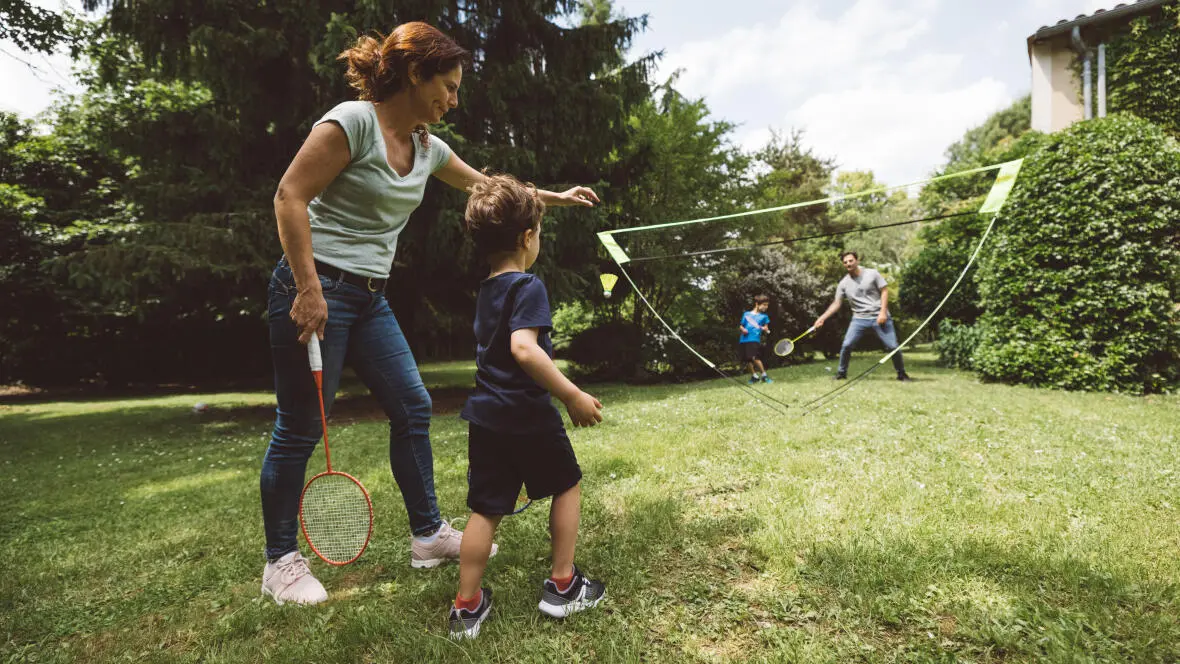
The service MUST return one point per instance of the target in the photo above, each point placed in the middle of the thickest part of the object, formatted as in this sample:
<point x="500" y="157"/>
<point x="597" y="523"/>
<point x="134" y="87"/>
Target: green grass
<point x="943" y="520"/>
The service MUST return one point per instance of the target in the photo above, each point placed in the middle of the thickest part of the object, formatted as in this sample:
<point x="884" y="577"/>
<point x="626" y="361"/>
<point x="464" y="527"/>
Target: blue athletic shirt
<point x="505" y="398"/>
<point x="753" y="323"/>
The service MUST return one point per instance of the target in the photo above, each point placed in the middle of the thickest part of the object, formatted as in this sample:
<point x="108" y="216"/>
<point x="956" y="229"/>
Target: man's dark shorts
<point x="500" y="463"/>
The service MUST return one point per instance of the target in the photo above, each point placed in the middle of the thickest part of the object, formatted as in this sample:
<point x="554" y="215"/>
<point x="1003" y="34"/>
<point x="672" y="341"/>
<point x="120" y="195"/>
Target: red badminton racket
<point x="334" y="510"/>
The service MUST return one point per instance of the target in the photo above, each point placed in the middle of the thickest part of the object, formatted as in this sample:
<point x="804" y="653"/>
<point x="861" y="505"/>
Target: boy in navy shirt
<point x="516" y="436"/>
<point x="754" y="323"/>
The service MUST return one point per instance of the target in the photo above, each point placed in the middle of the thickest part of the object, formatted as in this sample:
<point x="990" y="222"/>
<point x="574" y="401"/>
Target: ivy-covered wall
<point x="1143" y="69"/>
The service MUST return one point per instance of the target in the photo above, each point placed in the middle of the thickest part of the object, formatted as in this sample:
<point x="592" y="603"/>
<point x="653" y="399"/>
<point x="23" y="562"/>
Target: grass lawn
<point x="937" y="521"/>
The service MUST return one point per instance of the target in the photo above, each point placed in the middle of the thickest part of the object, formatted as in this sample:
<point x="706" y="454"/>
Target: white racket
<point x="785" y="347"/>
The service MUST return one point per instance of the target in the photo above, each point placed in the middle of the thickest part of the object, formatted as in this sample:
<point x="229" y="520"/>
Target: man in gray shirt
<point x="868" y="293"/>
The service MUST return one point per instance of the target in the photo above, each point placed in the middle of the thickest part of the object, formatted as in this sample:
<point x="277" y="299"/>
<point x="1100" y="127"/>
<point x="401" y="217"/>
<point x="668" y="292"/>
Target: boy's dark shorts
<point x="751" y="350"/>
<point x="500" y="463"/>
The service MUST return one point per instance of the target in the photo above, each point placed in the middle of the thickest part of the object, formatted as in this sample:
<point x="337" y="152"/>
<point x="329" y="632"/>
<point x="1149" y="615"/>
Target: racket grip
<point x="314" y="357"/>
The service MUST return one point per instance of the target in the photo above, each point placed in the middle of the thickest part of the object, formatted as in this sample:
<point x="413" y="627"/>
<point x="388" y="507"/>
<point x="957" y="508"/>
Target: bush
<point x="957" y="343"/>
<point x="1079" y="286"/>
<point x="610" y="351"/>
<point x="797" y="298"/>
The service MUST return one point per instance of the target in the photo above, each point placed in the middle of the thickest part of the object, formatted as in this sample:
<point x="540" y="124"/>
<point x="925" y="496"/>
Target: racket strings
<point x="337" y="517"/>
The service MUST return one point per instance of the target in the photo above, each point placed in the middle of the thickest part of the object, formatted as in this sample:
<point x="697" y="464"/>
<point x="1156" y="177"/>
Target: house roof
<point x="1121" y="13"/>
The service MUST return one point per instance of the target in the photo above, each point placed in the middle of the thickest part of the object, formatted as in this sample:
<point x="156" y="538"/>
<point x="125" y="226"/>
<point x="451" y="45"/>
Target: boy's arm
<point x="584" y="409"/>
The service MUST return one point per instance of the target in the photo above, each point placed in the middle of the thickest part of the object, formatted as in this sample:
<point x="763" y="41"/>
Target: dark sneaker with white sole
<point x="465" y="624"/>
<point x="582" y="594"/>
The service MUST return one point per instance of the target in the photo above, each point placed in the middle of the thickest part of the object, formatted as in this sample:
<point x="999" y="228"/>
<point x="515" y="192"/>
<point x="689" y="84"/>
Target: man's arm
<point x="884" y="315"/>
<point x="831" y="311"/>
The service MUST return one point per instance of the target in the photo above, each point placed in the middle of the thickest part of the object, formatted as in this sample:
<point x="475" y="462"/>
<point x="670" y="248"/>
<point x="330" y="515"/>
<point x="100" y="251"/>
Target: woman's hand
<point x="309" y="312"/>
<point x="583" y="196"/>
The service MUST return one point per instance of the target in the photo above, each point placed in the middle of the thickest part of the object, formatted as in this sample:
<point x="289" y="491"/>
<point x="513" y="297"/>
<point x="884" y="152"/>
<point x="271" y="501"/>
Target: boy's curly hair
<point x="499" y="209"/>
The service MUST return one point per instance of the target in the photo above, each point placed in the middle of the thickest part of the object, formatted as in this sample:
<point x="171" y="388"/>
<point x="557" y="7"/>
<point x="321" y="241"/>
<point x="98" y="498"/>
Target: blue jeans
<point x="857" y="329"/>
<point x="362" y="331"/>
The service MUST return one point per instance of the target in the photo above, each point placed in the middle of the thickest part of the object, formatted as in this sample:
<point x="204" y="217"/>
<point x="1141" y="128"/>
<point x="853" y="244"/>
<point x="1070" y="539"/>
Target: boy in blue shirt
<point x="516" y="436"/>
<point x="754" y="323"/>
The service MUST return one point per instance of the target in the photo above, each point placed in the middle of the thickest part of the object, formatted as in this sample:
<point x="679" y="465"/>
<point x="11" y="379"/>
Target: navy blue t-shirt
<point x="506" y="398"/>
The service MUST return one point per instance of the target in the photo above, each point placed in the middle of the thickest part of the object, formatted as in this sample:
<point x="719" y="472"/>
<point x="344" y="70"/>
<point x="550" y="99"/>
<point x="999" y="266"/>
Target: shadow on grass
<point x="995" y="598"/>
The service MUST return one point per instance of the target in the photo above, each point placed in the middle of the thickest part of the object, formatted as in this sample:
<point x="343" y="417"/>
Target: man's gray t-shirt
<point x="356" y="219"/>
<point x="863" y="292"/>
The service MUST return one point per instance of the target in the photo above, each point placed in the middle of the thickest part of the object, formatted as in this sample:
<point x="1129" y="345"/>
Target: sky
<point x="880" y="85"/>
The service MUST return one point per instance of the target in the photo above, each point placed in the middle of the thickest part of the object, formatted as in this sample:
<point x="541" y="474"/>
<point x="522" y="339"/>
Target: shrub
<point x="610" y="351"/>
<point x="797" y="298"/>
<point x="1079" y="287"/>
<point x="957" y="343"/>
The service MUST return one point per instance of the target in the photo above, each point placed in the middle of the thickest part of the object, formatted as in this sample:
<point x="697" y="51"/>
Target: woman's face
<point x="439" y="94"/>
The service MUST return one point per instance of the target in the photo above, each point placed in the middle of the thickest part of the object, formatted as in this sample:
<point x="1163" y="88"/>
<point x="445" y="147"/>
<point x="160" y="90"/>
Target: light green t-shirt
<point x="355" y="221"/>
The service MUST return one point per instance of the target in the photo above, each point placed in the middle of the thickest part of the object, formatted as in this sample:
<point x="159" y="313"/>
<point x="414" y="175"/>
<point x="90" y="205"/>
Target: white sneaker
<point x="442" y="548"/>
<point x="289" y="579"/>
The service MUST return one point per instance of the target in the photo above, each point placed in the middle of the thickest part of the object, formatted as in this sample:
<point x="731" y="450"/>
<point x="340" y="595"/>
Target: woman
<point x="340" y="207"/>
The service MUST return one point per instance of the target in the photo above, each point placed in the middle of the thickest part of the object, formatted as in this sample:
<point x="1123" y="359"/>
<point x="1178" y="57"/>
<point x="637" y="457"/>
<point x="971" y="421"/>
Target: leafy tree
<point x="790" y="172"/>
<point x="678" y="165"/>
<point x="946" y="245"/>
<point x="202" y="106"/>
<point x="886" y="249"/>
<point x="32" y="28"/>
<point x="1079" y="291"/>
<point x="56" y="187"/>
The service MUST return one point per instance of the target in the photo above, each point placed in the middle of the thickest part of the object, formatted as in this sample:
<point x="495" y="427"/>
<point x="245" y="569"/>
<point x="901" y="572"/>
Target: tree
<point x="946" y="245"/>
<point x="32" y="28"/>
<point x="678" y="165"/>
<point x="203" y="106"/>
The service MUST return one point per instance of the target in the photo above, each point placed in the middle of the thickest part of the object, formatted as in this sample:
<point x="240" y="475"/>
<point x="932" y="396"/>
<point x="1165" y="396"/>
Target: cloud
<point x="866" y="85"/>
<point x="27" y="89"/>
<point x="29" y="79"/>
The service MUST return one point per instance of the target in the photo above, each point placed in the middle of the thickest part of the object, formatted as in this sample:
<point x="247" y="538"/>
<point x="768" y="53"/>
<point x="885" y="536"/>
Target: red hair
<point x="378" y="68"/>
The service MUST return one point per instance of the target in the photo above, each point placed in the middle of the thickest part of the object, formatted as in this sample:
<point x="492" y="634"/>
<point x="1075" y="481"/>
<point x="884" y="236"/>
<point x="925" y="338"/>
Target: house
<point x="1058" y="97"/>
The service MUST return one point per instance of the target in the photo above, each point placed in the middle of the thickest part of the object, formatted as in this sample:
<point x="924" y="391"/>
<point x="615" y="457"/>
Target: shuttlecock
<point x="608" y="282"/>
<point x="200" y="407"/>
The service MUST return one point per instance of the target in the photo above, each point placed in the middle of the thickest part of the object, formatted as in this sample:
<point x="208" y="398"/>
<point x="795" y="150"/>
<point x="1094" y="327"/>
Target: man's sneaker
<point x="753" y="380"/>
<point x="582" y="594"/>
<point x="443" y="547"/>
<point x="767" y="379"/>
<point x="289" y="579"/>
<point x="840" y="376"/>
<point x="465" y="624"/>
<point x="905" y="378"/>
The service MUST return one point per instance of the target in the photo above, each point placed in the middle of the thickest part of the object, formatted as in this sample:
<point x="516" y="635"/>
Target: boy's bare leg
<point x="761" y="369"/>
<point x="475" y="551"/>
<point x="564" y="514"/>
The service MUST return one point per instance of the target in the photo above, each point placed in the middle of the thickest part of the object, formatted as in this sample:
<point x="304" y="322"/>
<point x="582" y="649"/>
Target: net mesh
<point x="337" y="517"/>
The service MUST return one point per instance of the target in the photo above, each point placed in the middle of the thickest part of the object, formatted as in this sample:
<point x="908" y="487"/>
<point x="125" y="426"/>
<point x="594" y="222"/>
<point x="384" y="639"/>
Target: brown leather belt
<point x="371" y="284"/>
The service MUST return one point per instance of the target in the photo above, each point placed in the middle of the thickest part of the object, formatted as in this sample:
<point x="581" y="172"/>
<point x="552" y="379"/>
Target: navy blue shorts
<point x="499" y="464"/>
<point x="751" y="350"/>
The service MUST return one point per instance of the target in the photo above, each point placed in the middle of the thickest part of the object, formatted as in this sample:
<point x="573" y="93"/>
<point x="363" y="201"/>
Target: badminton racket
<point x="334" y="510"/>
<point x="785" y="347"/>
